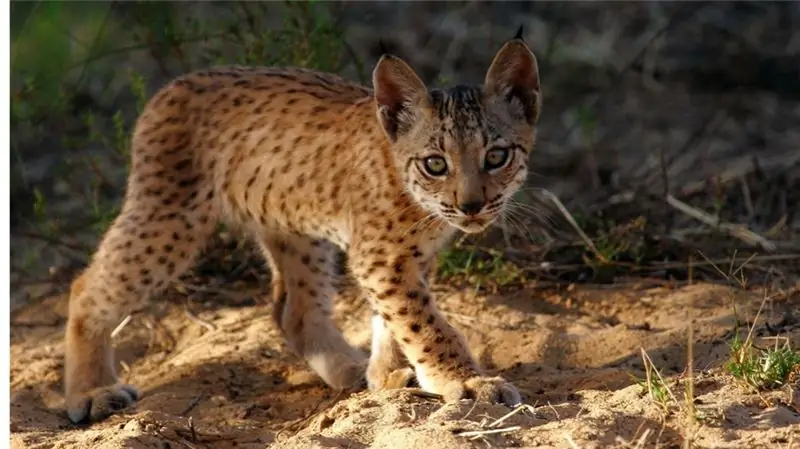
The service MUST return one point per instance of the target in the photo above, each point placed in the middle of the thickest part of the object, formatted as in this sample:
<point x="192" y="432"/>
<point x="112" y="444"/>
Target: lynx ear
<point x="514" y="78"/>
<point x="399" y="92"/>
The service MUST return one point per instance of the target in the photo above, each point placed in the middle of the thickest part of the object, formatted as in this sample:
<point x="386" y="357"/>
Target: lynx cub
<point x="305" y="162"/>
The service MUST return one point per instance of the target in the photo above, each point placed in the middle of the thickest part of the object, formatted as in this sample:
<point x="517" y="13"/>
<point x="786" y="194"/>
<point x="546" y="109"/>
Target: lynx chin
<point x="307" y="164"/>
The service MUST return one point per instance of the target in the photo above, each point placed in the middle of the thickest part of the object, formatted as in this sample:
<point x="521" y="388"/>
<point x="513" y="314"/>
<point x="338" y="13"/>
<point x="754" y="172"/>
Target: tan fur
<point x="305" y="162"/>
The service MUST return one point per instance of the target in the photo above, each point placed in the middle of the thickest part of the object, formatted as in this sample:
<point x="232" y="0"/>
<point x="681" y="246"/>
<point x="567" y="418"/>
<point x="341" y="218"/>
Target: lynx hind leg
<point x="388" y="367"/>
<point x="151" y="243"/>
<point x="306" y="268"/>
<point x="97" y="401"/>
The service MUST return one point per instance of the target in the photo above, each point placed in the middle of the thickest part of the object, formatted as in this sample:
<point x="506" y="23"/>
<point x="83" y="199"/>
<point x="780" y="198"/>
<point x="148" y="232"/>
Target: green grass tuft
<point x="763" y="369"/>
<point x="477" y="267"/>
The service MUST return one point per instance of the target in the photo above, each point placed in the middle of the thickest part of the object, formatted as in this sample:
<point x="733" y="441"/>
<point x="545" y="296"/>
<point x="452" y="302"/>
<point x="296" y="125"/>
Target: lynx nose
<point x="471" y="207"/>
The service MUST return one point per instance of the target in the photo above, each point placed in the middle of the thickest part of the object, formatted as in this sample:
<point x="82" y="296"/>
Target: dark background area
<point x="696" y="100"/>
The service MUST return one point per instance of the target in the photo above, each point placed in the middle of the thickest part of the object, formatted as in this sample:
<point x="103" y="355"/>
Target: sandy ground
<point x="572" y="351"/>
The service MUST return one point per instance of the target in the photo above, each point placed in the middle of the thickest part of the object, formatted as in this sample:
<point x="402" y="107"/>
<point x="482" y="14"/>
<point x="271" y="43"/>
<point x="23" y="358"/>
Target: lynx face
<point x="463" y="150"/>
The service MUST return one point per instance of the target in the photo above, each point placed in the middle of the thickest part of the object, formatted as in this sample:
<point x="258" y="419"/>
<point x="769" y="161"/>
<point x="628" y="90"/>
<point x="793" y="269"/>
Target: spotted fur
<point x="305" y="162"/>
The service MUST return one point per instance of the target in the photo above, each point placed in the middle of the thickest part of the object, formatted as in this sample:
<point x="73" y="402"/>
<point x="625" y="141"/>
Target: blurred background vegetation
<point x="82" y="71"/>
<point x="698" y="100"/>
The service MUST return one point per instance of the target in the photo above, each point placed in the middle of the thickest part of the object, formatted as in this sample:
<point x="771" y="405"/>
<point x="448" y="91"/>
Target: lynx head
<point x="463" y="150"/>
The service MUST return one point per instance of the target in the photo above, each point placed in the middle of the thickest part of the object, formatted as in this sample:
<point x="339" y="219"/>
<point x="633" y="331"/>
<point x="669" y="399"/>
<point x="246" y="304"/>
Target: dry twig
<point x="480" y="433"/>
<point x="120" y="326"/>
<point x="191" y="406"/>
<point x="206" y="324"/>
<point x="738" y="231"/>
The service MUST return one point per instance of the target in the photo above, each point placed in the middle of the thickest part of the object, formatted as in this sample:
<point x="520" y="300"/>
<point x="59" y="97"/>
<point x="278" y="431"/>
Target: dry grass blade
<point x="656" y="386"/>
<point x="589" y="243"/>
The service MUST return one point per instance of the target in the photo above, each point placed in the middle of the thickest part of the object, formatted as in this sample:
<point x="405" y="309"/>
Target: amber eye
<point x="435" y="165"/>
<point x="495" y="158"/>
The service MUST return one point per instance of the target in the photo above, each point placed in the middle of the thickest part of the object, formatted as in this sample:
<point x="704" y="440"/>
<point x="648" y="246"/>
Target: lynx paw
<point x="100" y="403"/>
<point x="487" y="389"/>
<point x="341" y="371"/>
<point x="399" y="378"/>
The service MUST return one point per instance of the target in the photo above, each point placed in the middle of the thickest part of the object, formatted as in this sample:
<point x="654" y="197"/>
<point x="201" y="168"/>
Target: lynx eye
<point x="495" y="159"/>
<point x="435" y="165"/>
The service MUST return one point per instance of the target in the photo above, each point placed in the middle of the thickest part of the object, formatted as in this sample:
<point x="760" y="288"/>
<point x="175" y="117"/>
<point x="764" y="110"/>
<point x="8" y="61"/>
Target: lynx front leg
<point x="388" y="367"/>
<point x="437" y="351"/>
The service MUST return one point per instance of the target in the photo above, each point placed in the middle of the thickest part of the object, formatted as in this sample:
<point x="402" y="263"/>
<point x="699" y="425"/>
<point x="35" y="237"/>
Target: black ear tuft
<point x="382" y="46"/>
<point x="519" y="33"/>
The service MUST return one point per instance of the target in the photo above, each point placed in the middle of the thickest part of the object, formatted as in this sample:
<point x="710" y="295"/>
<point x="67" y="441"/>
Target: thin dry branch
<point x="209" y="326"/>
<point x="479" y="433"/>
<point x="121" y="326"/>
<point x="738" y="231"/>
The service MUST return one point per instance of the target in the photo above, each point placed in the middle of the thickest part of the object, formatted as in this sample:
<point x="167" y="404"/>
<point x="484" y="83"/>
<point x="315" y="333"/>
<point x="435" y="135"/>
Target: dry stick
<point x="737" y="231"/>
<point x="478" y="433"/>
<point x="574" y="224"/>
<point x="195" y="402"/>
<point x="469" y="412"/>
<point x="776" y="228"/>
<point x="206" y="324"/>
<point x="513" y="412"/>
<point x="120" y="326"/>
<point x="191" y="428"/>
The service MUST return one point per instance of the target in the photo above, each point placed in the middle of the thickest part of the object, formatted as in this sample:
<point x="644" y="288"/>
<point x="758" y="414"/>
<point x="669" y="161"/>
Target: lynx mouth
<point x="472" y="225"/>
